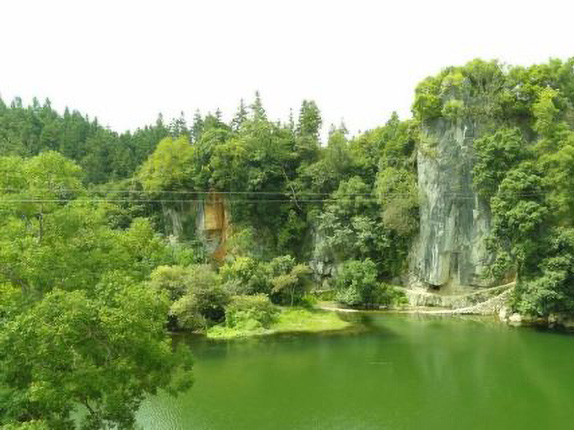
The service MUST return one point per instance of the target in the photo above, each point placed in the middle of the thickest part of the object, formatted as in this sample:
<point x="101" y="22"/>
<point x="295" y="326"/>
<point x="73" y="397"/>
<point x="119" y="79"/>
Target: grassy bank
<point x="289" y="320"/>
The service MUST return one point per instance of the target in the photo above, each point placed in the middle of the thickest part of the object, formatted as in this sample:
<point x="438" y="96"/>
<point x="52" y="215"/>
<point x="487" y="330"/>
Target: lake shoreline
<point x="503" y="315"/>
<point x="289" y="321"/>
<point x="327" y="318"/>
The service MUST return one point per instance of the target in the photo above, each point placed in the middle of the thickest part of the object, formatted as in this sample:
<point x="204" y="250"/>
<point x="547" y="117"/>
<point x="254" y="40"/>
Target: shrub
<point x="357" y="284"/>
<point x="427" y="103"/>
<point x="390" y="296"/>
<point x="281" y="265"/>
<point x="250" y="312"/>
<point x="203" y="303"/>
<point x="398" y="194"/>
<point x="173" y="280"/>
<point x="453" y="109"/>
<point x="289" y="280"/>
<point x="245" y="275"/>
<point x="308" y="301"/>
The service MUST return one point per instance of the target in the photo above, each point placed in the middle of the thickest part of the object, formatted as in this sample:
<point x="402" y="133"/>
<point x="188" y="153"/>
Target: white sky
<point x="125" y="61"/>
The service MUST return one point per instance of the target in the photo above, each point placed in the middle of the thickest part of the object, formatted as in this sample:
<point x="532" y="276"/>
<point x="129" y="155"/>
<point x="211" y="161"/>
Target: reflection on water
<point x="404" y="372"/>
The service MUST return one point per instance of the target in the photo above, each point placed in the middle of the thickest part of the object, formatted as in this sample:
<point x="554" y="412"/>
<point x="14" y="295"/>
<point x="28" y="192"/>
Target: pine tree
<point x="291" y="123"/>
<point x="307" y="132"/>
<point x="309" y="120"/>
<point x="197" y="127"/>
<point x="35" y="104"/>
<point x="239" y="117"/>
<point x="178" y="126"/>
<point x="159" y="121"/>
<point x="16" y="103"/>
<point x="257" y="109"/>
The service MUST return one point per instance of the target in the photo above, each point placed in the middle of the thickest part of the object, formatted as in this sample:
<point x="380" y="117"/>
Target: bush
<point x="309" y="301"/>
<point x="398" y="194"/>
<point x="250" y="312"/>
<point x="357" y="284"/>
<point x="281" y="278"/>
<point x="281" y="265"/>
<point x="203" y="303"/>
<point x="245" y="275"/>
<point x="288" y="280"/>
<point x="173" y="280"/>
<point x="427" y="103"/>
<point x="391" y="296"/>
<point x="453" y="109"/>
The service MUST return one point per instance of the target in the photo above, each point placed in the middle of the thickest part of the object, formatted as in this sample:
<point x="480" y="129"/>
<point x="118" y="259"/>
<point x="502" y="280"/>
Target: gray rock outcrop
<point x="454" y="220"/>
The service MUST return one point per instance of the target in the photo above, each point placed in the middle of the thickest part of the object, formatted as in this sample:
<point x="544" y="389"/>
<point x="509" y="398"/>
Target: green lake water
<point x="402" y="372"/>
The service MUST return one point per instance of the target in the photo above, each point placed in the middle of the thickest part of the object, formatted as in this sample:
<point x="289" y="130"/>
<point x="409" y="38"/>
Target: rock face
<point x="208" y="220"/>
<point x="454" y="220"/>
<point x="212" y="224"/>
<point x="322" y="261"/>
<point x="178" y="220"/>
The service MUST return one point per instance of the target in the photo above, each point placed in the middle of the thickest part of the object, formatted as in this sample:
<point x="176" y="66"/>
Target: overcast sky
<point x="125" y="61"/>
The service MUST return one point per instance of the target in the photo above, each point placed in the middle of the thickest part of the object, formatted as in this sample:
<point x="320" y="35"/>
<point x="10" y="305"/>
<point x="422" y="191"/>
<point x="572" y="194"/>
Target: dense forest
<point x="92" y="276"/>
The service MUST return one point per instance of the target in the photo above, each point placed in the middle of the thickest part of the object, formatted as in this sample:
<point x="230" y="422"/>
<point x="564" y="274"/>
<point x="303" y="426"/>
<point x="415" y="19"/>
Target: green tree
<point x="398" y="193"/>
<point x="308" y="129"/>
<point x="104" y="352"/>
<point x="519" y="216"/>
<point x="350" y="227"/>
<point x="240" y="117"/>
<point x="496" y="155"/>
<point x="250" y="312"/>
<point x="173" y="280"/>
<point x="203" y="303"/>
<point x="169" y="168"/>
<point x="357" y="284"/>
<point x="257" y="110"/>
<point x="178" y="127"/>
<point x="289" y="280"/>
<point x="245" y="275"/>
<point x="309" y="120"/>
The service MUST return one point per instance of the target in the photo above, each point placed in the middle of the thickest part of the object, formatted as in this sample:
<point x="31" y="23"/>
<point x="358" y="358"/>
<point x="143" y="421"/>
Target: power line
<point x="263" y="200"/>
<point x="457" y="193"/>
<point x="452" y="192"/>
<point x="128" y="191"/>
<point x="74" y="190"/>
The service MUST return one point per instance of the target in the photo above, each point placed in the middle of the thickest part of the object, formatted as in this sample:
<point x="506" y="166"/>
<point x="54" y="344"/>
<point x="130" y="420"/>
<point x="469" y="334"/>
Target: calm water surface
<point x="405" y="372"/>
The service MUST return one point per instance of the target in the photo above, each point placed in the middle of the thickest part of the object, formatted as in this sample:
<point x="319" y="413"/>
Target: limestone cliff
<point x="212" y="223"/>
<point x="178" y="219"/>
<point x="207" y="219"/>
<point x="454" y="221"/>
<point x="322" y="260"/>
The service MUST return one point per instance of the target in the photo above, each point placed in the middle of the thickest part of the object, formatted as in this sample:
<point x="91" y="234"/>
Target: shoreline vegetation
<point x="326" y="317"/>
<point x="288" y="320"/>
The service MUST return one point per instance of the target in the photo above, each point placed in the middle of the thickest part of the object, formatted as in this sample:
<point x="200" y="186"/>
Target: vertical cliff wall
<point x="176" y="220"/>
<point x="454" y="220"/>
<point x="213" y="218"/>
<point x="207" y="219"/>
